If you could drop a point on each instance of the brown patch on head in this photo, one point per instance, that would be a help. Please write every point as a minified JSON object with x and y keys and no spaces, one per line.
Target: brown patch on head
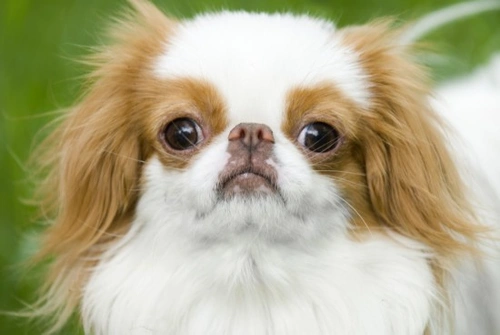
{"x":412,"y":182}
{"x":326,"y":103}
{"x":167,"y":100}
{"x":95,"y":157}
{"x":320,"y":103}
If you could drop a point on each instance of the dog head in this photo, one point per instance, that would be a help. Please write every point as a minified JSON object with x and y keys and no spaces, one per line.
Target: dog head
{"x":278,"y":128}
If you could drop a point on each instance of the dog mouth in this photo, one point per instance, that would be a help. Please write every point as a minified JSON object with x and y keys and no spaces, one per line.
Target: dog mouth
{"x":247,"y":182}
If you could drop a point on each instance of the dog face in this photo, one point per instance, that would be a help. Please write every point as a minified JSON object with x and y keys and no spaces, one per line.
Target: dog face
{"x":241,"y":136}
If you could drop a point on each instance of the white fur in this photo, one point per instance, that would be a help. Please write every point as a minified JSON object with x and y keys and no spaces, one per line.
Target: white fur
{"x":471,"y":106}
{"x":243,"y":281}
{"x":254,"y":59}
{"x":192,"y":264}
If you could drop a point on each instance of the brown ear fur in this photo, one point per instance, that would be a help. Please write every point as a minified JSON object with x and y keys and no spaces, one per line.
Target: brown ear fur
{"x":94,"y":159}
{"x":414,"y":186}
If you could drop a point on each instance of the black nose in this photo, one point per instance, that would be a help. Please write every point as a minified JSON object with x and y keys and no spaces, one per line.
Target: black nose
{"x":251,"y":134}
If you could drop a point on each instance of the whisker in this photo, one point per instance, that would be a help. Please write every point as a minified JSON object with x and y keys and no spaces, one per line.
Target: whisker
{"x":340,"y":171}
{"x":357,"y":214}
{"x":143,"y":161}
{"x":123,"y":156}
{"x":350,"y":182}
{"x":187,"y":139}
{"x":8,"y":117}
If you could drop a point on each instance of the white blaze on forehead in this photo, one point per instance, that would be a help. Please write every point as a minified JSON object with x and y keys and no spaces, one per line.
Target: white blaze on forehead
{"x":254,"y":59}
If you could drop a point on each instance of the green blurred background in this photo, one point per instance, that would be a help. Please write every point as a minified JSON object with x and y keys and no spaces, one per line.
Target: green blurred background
{"x":41,"y":38}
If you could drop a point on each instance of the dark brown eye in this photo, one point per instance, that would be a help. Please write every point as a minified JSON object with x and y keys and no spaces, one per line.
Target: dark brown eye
{"x":182,"y":134}
{"x":319,"y":137}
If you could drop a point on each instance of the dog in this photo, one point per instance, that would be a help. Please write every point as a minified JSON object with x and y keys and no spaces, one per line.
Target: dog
{"x":250,"y":173}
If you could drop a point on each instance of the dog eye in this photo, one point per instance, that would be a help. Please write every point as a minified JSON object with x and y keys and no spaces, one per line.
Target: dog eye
{"x":319,"y":137}
{"x":182,"y":134}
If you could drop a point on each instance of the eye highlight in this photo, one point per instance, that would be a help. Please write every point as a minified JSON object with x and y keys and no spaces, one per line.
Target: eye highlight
{"x":319,"y":137}
{"x":182,"y":134}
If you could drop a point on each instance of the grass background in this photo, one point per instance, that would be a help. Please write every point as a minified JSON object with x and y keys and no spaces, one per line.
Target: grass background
{"x":39,"y":39}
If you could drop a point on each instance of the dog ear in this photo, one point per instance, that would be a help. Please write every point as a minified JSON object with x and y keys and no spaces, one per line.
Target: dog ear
{"x":413,"y":183}
{"x":94,"y":156}
{"x":94,"y":159}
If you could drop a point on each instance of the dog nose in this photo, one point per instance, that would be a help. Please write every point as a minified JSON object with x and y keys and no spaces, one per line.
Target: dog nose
{"x":251,"y":134}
